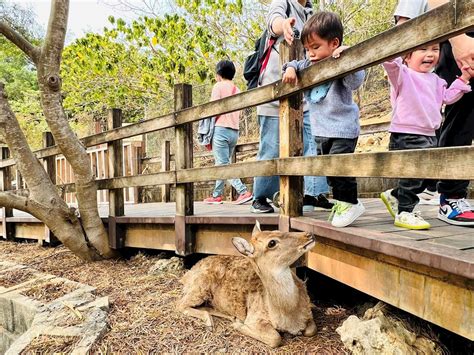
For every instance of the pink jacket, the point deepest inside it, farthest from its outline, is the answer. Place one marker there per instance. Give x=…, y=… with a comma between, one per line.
x=417, y=98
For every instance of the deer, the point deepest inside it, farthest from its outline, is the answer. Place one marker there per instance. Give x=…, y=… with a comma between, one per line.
x=257, y=290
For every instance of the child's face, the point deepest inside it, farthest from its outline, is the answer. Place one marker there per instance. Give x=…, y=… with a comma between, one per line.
x=424, y=59
x=318, y=48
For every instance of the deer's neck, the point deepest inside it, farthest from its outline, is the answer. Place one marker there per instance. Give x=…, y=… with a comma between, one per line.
x=281, y=290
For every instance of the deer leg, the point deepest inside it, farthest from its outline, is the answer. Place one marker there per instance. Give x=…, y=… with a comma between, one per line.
x=261, y=330
x=200, y=314
x=310, y=329
x=216, y=313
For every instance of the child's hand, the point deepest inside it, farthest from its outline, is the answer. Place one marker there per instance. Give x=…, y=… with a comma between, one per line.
x=466, y=73
x=290, y=76
x=337, y=52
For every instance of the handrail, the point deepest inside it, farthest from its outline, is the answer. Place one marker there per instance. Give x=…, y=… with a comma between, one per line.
x=450, y=20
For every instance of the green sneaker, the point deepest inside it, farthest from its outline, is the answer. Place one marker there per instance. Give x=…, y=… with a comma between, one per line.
x=390, y=202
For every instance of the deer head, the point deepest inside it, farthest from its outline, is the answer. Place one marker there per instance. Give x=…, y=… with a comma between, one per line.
x=274, y=250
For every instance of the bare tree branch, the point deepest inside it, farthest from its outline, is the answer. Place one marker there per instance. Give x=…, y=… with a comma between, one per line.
x=21, y=42
x=11, y=200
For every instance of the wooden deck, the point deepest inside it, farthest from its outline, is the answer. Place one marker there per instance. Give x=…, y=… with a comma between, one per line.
x=428, y=273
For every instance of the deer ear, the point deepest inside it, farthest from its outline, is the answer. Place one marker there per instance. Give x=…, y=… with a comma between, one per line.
x=243, y=246
x=256, y=229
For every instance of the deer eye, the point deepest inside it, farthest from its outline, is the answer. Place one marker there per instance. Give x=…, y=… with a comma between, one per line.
x=272, y=244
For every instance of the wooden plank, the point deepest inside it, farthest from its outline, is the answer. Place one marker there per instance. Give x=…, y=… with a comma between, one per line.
x=447, y=305
x=116, y=198
x=464, y=241
x=291, y=143
x=183, y=160
x=155, y=236
x=453, y=261
x=418, y=163
x=165, y=166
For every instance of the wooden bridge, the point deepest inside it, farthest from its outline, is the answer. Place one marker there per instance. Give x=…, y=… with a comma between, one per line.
x=427, y=273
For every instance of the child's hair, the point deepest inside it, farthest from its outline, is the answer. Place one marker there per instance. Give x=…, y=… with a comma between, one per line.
x=325, y=24
x=226, y=69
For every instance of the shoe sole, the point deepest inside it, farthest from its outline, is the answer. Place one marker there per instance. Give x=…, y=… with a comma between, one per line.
x=350, y=221
x=407, y=226
x=243, y=200
x=387, y=205
x=254, y=210
x=454, y=222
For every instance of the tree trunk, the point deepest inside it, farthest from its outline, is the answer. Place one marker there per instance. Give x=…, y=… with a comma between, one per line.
x=85, y=236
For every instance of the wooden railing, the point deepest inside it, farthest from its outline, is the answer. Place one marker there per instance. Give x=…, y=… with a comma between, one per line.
x=437, y=25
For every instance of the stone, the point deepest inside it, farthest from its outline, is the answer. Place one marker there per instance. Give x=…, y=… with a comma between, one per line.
x=172, y=265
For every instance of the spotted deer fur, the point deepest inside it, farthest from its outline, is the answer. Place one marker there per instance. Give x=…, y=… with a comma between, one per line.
x=258, y=291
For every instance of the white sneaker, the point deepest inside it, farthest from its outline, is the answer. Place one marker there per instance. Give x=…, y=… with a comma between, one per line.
x=390, y=202
x=411, y=220
x=344, y=213
x=428, y=197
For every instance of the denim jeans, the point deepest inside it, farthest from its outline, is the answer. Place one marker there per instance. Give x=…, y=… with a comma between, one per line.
x=407, y=189
x=224, y=141
x=269, y=148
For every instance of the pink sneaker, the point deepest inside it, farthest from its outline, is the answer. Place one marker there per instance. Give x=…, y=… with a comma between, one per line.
x=245, y=197
x=214, y=200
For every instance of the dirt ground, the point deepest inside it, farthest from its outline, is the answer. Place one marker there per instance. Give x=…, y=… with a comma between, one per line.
x=142, y=316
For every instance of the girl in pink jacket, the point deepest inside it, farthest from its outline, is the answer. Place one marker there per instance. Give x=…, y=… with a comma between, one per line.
x=417, y=95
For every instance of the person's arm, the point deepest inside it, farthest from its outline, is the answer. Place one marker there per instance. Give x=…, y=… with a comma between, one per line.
x=394, y=68
x=291, y=69
x=277, y=22
x=216, y=92
x=457, y=89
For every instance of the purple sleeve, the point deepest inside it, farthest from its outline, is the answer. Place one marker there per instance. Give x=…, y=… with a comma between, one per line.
x=455, y=91
x=394, y=69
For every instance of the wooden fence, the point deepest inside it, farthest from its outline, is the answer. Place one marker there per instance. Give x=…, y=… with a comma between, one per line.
x=437, y=25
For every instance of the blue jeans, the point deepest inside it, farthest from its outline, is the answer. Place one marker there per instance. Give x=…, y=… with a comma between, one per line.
x=266, y=186
x=224, y=141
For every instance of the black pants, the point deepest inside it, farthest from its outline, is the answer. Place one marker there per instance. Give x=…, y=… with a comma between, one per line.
x=458, y=126
x=343, y=188
x=407, y=190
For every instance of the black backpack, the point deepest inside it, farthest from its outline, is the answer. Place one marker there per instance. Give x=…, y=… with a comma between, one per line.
x=255, y=61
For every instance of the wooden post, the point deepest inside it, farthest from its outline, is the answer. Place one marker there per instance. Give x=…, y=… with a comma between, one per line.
x=291, y=144
x=8, y=229
x=50, y=167
x=116, y=200
x=165, y=166
x=184, y=238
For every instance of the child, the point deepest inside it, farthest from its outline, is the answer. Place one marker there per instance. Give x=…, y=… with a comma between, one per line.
x=226, y=133
x=417, y=95
x=334, y=115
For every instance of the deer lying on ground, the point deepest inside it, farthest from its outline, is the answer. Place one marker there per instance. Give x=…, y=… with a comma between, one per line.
x=259, y=291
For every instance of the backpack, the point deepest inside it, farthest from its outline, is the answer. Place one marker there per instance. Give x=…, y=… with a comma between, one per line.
x=256, y=62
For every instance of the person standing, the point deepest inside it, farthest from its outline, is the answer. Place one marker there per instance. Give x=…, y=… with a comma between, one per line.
x=226, y=133
x=315, y=188
x=458, y=126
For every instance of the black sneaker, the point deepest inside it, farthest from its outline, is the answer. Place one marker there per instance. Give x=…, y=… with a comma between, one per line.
x=310, y=202
x=260, y=205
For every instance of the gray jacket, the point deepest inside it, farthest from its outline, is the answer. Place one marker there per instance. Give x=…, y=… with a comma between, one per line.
x=206, y=130
x=272, y=72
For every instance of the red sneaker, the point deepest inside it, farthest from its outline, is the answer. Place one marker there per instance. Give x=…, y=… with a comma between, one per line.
x=214, y=200
x=245, y=197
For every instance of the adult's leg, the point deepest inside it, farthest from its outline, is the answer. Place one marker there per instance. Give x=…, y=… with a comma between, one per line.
x=269, y=148
x=457, y=130
x=313, y=185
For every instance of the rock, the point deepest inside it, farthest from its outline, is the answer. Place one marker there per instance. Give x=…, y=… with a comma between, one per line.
x=377, y=333
x=167, y=266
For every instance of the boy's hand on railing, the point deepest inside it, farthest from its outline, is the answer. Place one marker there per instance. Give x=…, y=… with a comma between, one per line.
x=290, y=76
x=337, y=52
